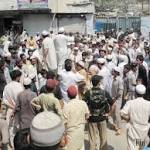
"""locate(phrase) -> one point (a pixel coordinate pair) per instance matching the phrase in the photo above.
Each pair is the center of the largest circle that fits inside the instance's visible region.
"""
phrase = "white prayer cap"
(27, 81)
(101, 60)
(76, 48)
(109, 57)
(140, 89)
(93, 68)
(44, 33)
(81, 63)
(117, 69)
(61, 30)
(46, 129)
(89, 50)
(109, 49)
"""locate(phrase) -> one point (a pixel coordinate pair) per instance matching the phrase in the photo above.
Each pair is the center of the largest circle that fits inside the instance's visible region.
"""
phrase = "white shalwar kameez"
(68, 78)
(138, 111)
(51, 59)
(60, 43)
(6, 47)
(105, 73)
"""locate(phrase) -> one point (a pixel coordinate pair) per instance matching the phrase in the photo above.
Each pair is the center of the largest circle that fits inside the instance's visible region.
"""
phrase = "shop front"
(10, 20)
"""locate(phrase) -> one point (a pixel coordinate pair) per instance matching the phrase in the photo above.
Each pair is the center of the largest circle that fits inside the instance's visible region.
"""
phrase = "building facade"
(36, 15)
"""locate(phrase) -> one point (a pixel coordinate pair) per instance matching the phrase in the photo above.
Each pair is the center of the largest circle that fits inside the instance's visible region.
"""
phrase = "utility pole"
(148, 6)
(142, 6)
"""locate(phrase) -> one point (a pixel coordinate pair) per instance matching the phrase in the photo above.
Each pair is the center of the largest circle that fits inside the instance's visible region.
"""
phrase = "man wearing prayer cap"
(60, 43)
(117, 94)
(45, 33)
(93, 70)
(34, 85)
(75, 122)
(123, 59)
(80, 67)
(49, 52)
(48, 101)
(47, 132)
(104, 72)
(101, 60)
(24, 112)
(137, 112)
(61, 30)
(76, 55)
(102, 52)
(110, 66)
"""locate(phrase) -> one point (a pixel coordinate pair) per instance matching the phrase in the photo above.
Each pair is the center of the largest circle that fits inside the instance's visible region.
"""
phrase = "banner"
(32, 4)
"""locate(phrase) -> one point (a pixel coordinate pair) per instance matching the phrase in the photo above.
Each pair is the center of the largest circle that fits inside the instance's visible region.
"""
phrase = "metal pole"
(52, 23)
(57, 15)
(148, 6)
(142, 6)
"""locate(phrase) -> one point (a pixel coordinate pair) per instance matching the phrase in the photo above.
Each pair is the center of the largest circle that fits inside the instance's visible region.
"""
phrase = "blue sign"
(146, 148)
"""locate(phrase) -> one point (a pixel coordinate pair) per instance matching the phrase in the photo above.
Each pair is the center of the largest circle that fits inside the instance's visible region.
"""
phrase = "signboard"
(32, 4)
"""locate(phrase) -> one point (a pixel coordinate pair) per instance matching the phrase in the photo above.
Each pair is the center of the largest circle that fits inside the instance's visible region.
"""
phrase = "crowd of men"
(53, 85)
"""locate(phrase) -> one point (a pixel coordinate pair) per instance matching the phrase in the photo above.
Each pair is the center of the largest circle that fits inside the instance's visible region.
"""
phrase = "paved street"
(114, 142)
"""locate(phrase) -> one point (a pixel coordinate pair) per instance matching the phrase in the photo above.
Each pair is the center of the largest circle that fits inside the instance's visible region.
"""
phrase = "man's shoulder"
(12, 84)
(80, 101)
(62, 72)
(147, 102)
(137, 100)
(97, 91)
(27, 92)
(46, 40)
(50, 96)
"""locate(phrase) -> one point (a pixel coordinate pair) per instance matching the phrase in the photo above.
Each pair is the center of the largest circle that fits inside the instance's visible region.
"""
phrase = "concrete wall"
(8, 4)
(75, 24)
(37, 23)
(145, 26)
(57, 6)
(71, 6)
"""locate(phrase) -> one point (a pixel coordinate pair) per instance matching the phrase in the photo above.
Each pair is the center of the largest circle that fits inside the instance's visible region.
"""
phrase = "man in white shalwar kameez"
(67, 77)
(105, 73)
(137, 113)
(49, 53)
(7, 43)
(60, 43)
